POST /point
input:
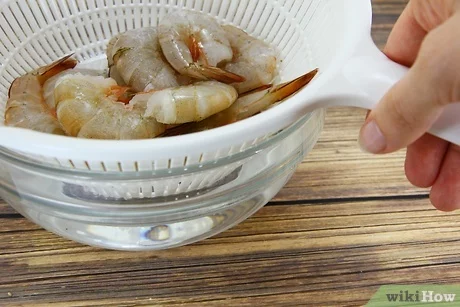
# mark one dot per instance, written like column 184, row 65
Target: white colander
column 332, row 35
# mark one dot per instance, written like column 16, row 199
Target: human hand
column 426, row 38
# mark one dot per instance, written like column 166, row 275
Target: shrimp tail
column 122, row 94
column 206, row 71
column 195, row 49
column 218, row 74
column 26, row 106
column 249, row 104
column 259, row 89
column 276, row 94
column 48, row 71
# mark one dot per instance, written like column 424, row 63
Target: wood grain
column 345, row 224
column 334, row 254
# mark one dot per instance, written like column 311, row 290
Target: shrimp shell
column 247, row 105
column 50, row 85
column 253, row 59
column 135, row 57
column 187, row 103
column 87, row 107
column 195, row 44
column 26, row 106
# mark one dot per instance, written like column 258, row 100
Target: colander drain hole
column 122, row 194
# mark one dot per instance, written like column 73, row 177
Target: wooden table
column 345, row 224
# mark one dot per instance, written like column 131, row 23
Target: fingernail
column 372, row 139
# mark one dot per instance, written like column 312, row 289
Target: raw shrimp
column 253, row 59
column 26, row 106
column 187, row 103
column 90, row 107
column 135, row 57
column 49, row 86
column 195, row 44
column 113, row 71
column 247, row 105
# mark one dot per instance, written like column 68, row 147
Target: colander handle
column 367, row 77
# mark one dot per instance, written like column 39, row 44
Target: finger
column 424, row 159
column 413, row 105
column 417, row 19
column 406, row 38
column 445, row 193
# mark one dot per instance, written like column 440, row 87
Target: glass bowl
column 118, row 211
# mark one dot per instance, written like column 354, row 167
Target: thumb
column 413, row 105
